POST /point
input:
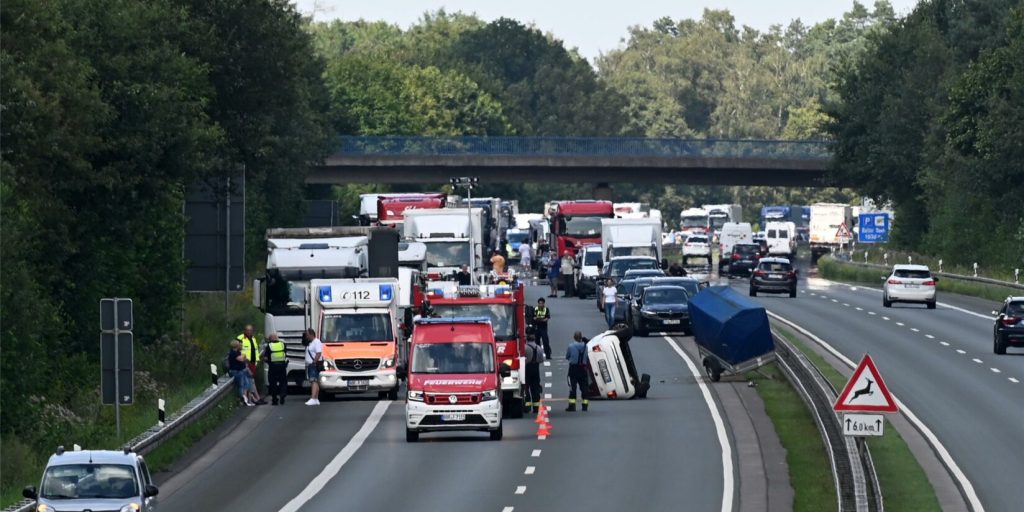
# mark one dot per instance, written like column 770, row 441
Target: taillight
column 894, row 281
column 759, row 273
column 735, row 256
column 612, row 394
column 790, row 274
column 597, row 348
column 930, row 282
column 1009, row 321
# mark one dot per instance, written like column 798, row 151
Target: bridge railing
column 581, row 146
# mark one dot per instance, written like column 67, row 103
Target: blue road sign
column 873, row 228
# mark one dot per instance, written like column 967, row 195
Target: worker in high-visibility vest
column 277, row 368
column 251, row 349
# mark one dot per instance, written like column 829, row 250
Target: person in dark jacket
column 541, row 317
column 576, row 354
column 534, row 357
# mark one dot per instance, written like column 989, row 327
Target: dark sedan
column 662, row 309
column 743, row 259
column 773, row 275
column 1009, row 328
column 691, row 285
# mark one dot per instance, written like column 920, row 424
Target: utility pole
column 468, row 183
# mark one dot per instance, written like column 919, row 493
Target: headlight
column 329, row 365
column 415, row 396
column 490, row 394
column 131, row 507
column 44, row 508
column 387, row 362
column 649, row 314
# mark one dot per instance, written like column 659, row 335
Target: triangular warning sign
column 866, row 391
column 844, row 231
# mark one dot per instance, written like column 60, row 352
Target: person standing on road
column 553, row 278
column 566, row 272
column 277, row 368
column 463, row 277
column 524, row 256
column 534, row 356
column 541, row 317
column 314, row 358
column 576, row 354
column 251, row 348
column 608, row 292
column 239, row 371
column 497, row 263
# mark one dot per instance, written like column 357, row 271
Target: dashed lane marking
column 547, row 396
column 521, row 489
column 508, row 509
column 995, row 370
column 929, row 336
column 535, row 453
column 847, row 304
column 944, row 343
column 547, row 374
column 898, row 323
column 915, row 329
column 885, row 318
column 547, row 363
column 547, row 384
column 871, row 313
column 1013, row 380
column 958, row 351
column 976, row 360
column 530, row 470
column 860, row 308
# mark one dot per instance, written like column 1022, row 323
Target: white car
column 697, row 246
column 909, row 283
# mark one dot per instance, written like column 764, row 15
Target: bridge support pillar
column 603, row 192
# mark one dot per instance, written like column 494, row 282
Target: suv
column 909, row 283
column 95, row 480
column 616, row 268
column 1009, row 328
column 697, row 247
column 774, row 275
column 743, row 259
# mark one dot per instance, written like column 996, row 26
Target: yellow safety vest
column 277, row 354
column 250, row 348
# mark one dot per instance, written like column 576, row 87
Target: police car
column 94, row 480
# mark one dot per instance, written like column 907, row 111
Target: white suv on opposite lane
column 909, row 283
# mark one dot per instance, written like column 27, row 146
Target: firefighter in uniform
column 277, row 364
column 251, row 349
column 534, row 356
column 576, row 354
column 541, row 316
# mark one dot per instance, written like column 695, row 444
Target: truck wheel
column 497, row 434
column 411, row 436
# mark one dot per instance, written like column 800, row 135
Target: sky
column 592, row 26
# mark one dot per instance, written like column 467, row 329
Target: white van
column 733, row 233
column 781, row 237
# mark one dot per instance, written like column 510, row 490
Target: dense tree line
column 930, row 117
column 111, row 110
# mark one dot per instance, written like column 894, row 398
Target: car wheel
column 411, row 436
column 931, row 304
column 753, row 291
column 997, row 345
column 886, row 302
column 496, row 434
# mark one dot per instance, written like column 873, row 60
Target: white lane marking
column 995, row 370
column 547, row 363
column 547, row 384
column 860, row 308
column 521, row 489
column 836, row 301
column 339, row 460
column 929, row 336
column 541, row 438
column 547, row 374
column 899, row 324
column 508, row 509
column 958, row 351
column 535, row 453
column 812, row 293
column 915, row 329
column 1013, row 380
column 976, row 360
column 723, row 436
column 943, row 304
column 965, row 484
column 530, row 470
column 547, row 396
column 872, row 313
column 885, row 318
column 944, row 343
column 847, row 304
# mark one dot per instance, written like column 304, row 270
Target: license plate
column 606, row 375
column 671, row 322
column 454, row 417
column 775, row 276
column 912, row 285
column 361, row 383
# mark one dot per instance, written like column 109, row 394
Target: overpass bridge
column 598, row 160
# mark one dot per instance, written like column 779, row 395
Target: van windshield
column 502, row 316
column 447, row 254
column 632, row 251
column 453, row 358
column 357, row 327
column 89, row 481
column 592, row 258
column 618, row 268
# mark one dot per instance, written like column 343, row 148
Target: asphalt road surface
column 662, row 453
column 937, row 362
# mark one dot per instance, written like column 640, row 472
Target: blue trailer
column 732, row 332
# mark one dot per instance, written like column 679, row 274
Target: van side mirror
column 504, row 370
column 150, row 491
column 29, row 492
column 401, row 371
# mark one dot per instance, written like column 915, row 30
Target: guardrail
column 947, row 275
column 155, row 436
column 581, row 146
column 857, row 487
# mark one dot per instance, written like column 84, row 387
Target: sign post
column 874, row 228
column 469, row 183
column 862, row 400
column 116, row 355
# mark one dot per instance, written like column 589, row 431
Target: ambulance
column 453, row 378
column 504, row 305
column 357, row 321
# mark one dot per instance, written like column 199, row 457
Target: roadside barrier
column 1015, row 284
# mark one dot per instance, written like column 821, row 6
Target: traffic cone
column 544, row 430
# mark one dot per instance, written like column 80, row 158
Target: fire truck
column 578, row 223
column 505, row 306
column 391, row 210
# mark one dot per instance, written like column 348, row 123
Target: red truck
column 578, row 223
column 454, row 381
column 505, row 306
column 391, row 210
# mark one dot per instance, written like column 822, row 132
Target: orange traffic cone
column 544, row 430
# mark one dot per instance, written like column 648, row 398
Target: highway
column 939, row 363
column 653, row 454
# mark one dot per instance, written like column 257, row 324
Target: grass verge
column 835, row 270
column 161, row 458
column 809, row 471
column 905, row 486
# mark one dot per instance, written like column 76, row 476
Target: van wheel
column 496, row 434
column 931, row 305
column 411, row 436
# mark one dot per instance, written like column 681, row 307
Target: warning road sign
column 866, row 391
column 844, row 233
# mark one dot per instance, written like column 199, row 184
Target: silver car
column 909, row 283
column 95, row 480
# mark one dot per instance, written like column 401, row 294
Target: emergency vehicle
column 391, row 210
column 357, row 321
column 504, row 305
column 453, row 378
column 578, row 223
